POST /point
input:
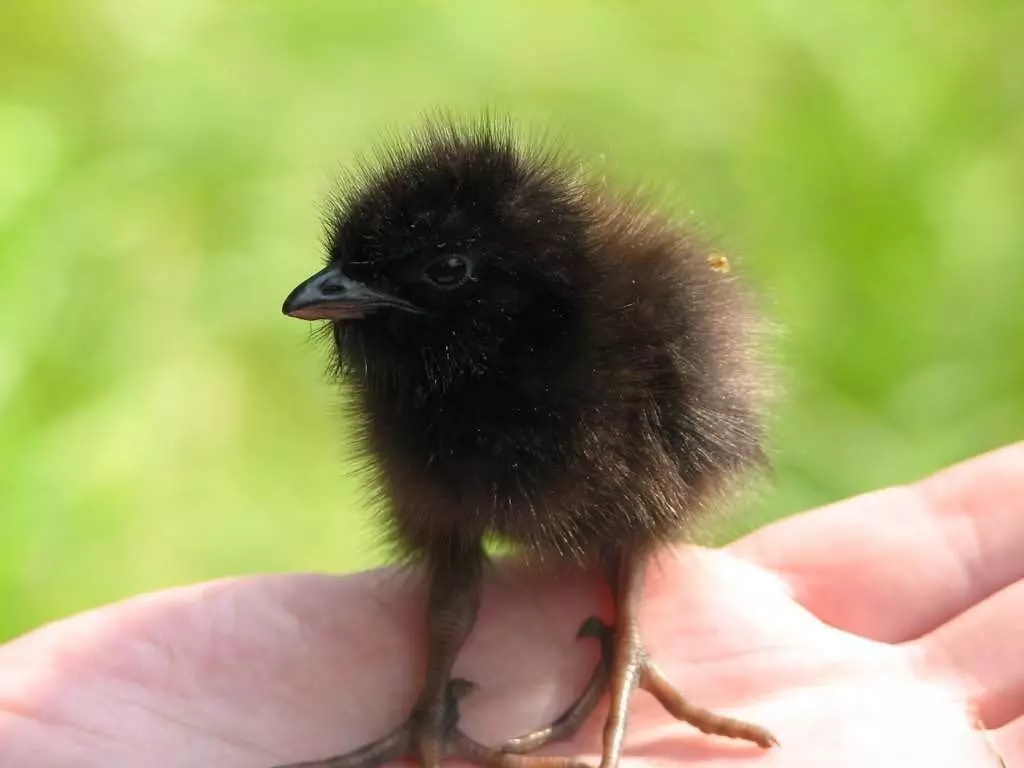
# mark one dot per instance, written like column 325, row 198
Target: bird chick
column 537, row 360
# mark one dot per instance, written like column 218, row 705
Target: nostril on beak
column 332, row 288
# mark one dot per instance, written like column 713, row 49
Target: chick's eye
column 449, row 271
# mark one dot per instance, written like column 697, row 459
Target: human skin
column 873, row 632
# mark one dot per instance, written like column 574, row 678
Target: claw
column 593, row 627
column 459, row 688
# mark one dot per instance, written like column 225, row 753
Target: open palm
column 875, row 632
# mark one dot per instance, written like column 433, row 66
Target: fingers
column 981, row 649
column 895, row 564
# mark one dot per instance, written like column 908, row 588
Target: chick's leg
column 431, row 732
column 624, row 667
column 632, row 668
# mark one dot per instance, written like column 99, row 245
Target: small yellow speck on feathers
column 719, row 262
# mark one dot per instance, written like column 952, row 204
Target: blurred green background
column 162, row 167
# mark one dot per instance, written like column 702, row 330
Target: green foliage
column 162, row 166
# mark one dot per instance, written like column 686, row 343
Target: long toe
column 569, row 722
column 654, row 682
column 431, row 735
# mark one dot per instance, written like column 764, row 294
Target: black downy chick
column 537, row 360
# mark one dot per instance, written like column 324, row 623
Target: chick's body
column 537, row 360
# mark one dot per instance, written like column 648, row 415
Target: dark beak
column 330, row 295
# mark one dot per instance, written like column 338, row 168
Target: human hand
column 861, row 634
